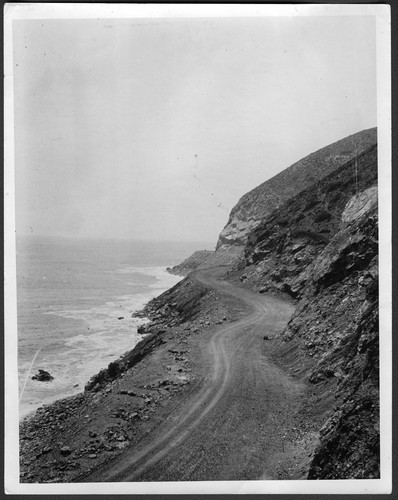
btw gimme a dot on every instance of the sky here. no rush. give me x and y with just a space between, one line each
152 129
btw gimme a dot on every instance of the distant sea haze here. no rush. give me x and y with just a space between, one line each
75 299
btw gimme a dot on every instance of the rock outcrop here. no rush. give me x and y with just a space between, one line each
321 249
273 193
43 376
280 251
336 322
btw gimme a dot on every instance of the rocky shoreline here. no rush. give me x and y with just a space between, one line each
67 439
70 438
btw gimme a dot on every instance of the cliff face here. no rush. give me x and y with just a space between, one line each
272 194
281 249
337 323
321 248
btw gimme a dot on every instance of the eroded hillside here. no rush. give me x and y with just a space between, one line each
272 194
321 249
280 251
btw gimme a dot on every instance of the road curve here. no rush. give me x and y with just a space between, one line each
227 428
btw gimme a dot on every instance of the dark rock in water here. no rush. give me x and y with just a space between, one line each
42 376
120 317
142 329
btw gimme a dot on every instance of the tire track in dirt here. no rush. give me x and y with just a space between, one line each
169 438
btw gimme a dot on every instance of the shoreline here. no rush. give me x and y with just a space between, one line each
202 333
128 336
70 439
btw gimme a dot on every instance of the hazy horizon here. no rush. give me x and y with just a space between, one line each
152 129
208 245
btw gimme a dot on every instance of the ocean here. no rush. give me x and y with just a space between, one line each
75 299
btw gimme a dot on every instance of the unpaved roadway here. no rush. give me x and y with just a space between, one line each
233 425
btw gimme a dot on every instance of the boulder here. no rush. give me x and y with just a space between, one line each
42 376
142 329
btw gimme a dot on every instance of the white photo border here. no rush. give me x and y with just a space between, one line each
13 12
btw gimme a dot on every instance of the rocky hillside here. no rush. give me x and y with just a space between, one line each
336 322
311 233
321 249
280 250
272 194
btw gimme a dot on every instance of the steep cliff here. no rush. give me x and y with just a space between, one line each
336 323
280 250
321 248
273 193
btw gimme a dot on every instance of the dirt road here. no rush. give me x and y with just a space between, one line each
234 424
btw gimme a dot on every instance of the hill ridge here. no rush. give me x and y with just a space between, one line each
271 194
